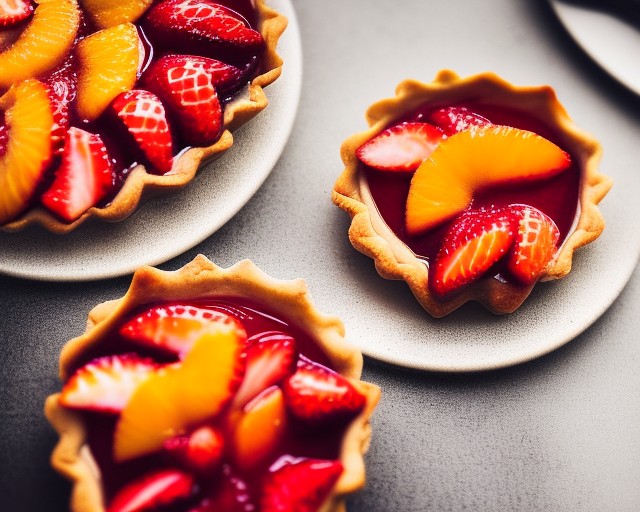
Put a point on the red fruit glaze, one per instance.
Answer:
(229, 494)
(271, 357)
(401, 148)
(477, 239)
(144, 117)
(13, 12)
(107, 383)
(187, 90)
(455, 119)
(557, 197)
(153, 490)
(299, 486)
(62, 86)
(84, 177)
(535, 245)
(319, 395)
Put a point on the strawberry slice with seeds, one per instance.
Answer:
(174, 328)
(13, 12)
(84, 177)
(187, 89)
(160, 488)
(271, 358)
(106, 384)
(475, 241)
(143, 115)
(535, 245)
(318, 395)
(200, 451)
(456, 119)
(189, 21)
(300, 485)
(229, 494)
(401, 148)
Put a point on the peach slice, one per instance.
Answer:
(182, 395)
(108, 63)
(44, 43)
(260, 428)
(444, 184)
(109, 13)
(29, 120)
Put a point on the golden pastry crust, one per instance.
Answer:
(370, 234)
(201, 279)
(139, 185)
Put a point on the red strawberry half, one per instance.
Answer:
(271, 358)
(201, 450)
(84, 177)
(161, 488)
(299, 485)
(13, 12)
(144, 117)
(187, 89)
(475, 241)
(200, 21)
(173, 328)
(456, 119)
(106, 384)
(318, 395)
(401, 148)
(536, 243)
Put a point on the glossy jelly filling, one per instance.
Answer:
(299, 441)
(123, 153)
(557, 197)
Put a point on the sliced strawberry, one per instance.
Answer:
(4, 139)
(106, 384)
(475, 241)
(84, 177)
(173, 328)
(401, 148)
(230, 494)
(536, 243)
(62, 86)
(187, 89)
(456, 119)
(224, 77)
(144, 117)
(164, 487)
(199, 21)
(300, 485)
(271, 358)
(200, 451)
(318, 395)
(13, 12)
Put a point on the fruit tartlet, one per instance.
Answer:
(471, 189)
(209, 389)
(104, 103)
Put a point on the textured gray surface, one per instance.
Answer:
(560, 433)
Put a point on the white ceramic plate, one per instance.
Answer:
(167, 226)
(610, 41)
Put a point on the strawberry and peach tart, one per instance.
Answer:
(209, 389)
(103, 102)
(471, 189)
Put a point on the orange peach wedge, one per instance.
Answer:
(182, 395)
(44, 43)
(108, 65)
(109, 13)
(471, 160)
(29, 120)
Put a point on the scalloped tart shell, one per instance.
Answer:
(201, 279)
(140, 185)
(370, 234)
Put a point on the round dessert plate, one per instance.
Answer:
(170, 225)
(610, 41)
